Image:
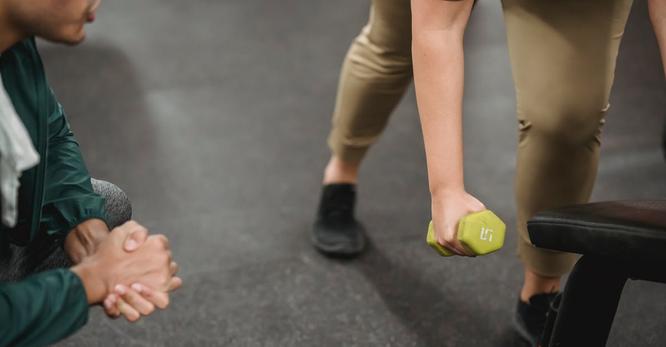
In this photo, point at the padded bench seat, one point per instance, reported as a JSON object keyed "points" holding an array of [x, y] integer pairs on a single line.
{"points": [[619, 229]]}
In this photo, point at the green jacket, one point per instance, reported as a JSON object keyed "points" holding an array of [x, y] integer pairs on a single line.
{"points": [[54, 196]]}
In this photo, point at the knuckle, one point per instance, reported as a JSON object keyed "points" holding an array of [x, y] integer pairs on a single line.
{"points": [[140, 233], [450, 239], [165, 241], [160, 241], [152, 243], [138, 228]]}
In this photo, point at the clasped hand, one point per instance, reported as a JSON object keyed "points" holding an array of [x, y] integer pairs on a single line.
{"points": [[130, 273]]}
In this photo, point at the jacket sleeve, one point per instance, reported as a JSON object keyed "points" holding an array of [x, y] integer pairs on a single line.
{"points": [[42, 309], [69, 197]]}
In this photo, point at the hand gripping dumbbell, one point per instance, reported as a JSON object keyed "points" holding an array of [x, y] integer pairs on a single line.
{"points": [[480, 232]]}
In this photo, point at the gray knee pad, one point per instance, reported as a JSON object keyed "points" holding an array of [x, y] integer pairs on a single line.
{"points": [[117, 205]]}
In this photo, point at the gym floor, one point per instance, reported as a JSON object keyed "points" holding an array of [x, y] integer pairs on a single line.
{"points": [[213, 116]]}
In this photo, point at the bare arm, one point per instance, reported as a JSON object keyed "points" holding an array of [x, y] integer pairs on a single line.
{"points": [[658, 16], [437, 47]]}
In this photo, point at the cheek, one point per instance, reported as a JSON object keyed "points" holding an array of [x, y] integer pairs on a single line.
{"points": [[54, 20], [70, 10], [68, 19]]}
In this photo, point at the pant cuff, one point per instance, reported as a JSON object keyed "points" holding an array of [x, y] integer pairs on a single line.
{"points": [[344, 152]]}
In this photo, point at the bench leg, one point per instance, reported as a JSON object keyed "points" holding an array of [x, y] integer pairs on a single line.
{"points": [[589, 303]]}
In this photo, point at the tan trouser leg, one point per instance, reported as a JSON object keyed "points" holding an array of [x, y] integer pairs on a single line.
{"points": [[374, 77], [563, 56]]}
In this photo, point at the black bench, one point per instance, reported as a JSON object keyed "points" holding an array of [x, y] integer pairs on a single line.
{"points": [[618, 240]]}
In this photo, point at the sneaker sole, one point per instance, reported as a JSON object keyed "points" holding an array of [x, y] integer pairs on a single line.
{"points": [[337, 250]]}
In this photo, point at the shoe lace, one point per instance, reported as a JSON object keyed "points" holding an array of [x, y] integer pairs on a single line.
{"points": [[339, 208]]}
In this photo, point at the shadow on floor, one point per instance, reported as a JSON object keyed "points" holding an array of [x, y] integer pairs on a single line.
{"points": [[425, 309]]}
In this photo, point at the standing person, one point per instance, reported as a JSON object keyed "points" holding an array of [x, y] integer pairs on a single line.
{"points": [[563, 56], [60, 215]]}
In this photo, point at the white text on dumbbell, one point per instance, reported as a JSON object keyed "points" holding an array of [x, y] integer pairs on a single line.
{"points": [[486, 234]]}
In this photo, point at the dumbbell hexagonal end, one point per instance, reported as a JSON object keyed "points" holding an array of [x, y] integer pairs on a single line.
{"points": [[482, 232]]}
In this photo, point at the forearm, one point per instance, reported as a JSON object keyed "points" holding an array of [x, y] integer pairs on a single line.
{"points": [[41, 309], [658, 17], [437, 50]]}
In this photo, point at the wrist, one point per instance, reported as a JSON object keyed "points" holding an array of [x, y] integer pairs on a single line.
{"points": [[445, 192], [95, 288], [82, 241]]}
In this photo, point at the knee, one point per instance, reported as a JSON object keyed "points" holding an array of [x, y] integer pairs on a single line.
{"points": [[117, 204], [572, 123], [389, 59]]}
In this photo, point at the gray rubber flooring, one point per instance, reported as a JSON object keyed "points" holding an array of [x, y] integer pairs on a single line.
{"points": [[213, 115]]}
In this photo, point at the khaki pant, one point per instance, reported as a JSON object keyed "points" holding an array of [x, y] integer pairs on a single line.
{"points": [[374, 77], [563, 56]]}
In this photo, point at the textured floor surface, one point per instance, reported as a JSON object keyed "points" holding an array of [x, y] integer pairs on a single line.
{"points": [[213, 115]]}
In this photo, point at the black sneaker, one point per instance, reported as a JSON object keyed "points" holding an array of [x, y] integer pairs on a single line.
{"points": [[336, 232], [530, 318]]}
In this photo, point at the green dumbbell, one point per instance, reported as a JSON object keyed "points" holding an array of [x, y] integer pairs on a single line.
{"points": [[480, 232]]}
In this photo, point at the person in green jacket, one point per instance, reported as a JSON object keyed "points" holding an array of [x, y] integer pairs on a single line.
{"points": [[62, 219]]}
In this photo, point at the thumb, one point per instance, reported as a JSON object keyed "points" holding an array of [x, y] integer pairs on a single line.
{"points": [[135, 238]]}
